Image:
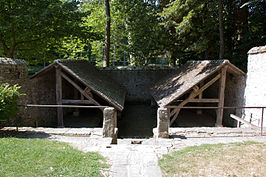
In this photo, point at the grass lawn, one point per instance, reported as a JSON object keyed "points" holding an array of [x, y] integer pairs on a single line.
{"points": [[40, 157], [234, 159]]}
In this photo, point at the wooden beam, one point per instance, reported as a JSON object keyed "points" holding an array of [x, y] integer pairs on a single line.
{"points": [[88, 91], [243, 121], [219, 119], [204, 100], [58, 87], [193, 95], [201, 85], [63, 106], [69, 101], [76, 97], [80, 90]]}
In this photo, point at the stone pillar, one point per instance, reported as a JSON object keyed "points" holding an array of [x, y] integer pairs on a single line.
{"points": [[255, 91], [162, 123], [109, 122]]}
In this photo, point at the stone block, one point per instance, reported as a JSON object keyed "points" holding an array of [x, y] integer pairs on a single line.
{"points": [[162, 123], [109, 122]]}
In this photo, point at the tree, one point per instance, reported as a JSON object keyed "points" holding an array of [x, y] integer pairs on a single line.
{"points": [[106, 62], [192, 30], [221, 30], [27, 25], [142, 30]]}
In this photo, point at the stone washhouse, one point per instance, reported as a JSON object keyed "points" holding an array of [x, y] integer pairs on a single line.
{"points": [[138, 102]]}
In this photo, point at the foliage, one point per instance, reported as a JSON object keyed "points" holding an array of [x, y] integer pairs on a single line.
{"points": [[142, 32], [192, 29], [27, 27], [8, 101], [40, 157]]}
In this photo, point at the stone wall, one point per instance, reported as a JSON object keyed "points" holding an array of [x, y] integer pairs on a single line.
{"points": [[138, 81], [234, 96], [37, 91], [255, 91], [15, 72]]}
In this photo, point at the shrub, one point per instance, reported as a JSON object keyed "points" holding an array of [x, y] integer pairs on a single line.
{"points": [[8, 101]]}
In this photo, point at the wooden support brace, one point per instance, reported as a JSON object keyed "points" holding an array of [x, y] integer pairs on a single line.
{"points": [[76, 97], [80, 90], [192, 96], [244, 121]]}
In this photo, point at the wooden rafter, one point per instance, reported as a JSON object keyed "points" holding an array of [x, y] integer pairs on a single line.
{"points": [[193, 94], [83, 92]]}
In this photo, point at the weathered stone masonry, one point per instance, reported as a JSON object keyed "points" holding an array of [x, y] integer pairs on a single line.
{"points": [[255, 90], [38, 91]]}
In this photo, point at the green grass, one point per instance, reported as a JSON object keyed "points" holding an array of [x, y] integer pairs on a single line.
{"points": [[40, 157], [234, 159]]}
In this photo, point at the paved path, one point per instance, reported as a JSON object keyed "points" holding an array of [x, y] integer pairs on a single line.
{"points": [[141, 160], [138, 160]]}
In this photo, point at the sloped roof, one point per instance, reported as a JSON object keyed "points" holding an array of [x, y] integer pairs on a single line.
{"points": [[186, 77], [98, 82]]}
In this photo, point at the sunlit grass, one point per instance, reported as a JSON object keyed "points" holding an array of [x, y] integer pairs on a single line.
{"points": [[235, 159], [39, 157]]}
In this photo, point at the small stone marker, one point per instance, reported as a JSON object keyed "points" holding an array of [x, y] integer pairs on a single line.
{"points": [[162, 123], [109, 122]]}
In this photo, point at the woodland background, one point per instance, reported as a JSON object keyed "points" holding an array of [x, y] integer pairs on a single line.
{"points": [[131, 32]]}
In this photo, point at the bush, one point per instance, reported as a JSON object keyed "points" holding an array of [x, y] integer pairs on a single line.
{"points": [[8, 101]]}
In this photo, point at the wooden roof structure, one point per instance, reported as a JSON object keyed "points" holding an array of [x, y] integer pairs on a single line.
{"points": [[192, 78], [190, 74], [93, 80]]}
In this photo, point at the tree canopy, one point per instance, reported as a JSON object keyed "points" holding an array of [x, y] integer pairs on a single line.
{"points": [[140, 32]]}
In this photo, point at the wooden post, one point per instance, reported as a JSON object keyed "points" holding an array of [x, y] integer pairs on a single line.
{"points": [[220, 111], [76, 96], [58, 87], [199, 111]]}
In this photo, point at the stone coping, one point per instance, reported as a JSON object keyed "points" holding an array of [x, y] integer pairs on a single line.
{"points": [[9, 61], [256, 50], [59, 131]]}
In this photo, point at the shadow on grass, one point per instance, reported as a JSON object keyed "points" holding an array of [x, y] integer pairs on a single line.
{"points": [[22, 134]]}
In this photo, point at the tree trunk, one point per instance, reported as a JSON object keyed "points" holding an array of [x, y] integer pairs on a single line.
{"points": [[164, 3], [221, 30], [242, 20], [106, 61]]}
